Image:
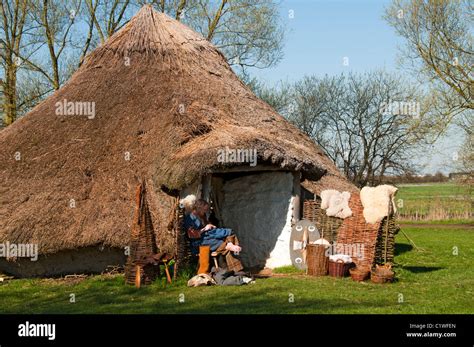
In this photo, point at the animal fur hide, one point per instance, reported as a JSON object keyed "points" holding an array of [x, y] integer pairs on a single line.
{"points": [[201, 280], [325, 196], [376, 202], [336, 203]]}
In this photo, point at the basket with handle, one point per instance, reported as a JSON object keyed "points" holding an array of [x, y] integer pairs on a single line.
{"points": [[338, 268]]}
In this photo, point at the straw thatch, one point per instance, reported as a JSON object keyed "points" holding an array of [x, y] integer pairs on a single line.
{"points": [[164, 95]]}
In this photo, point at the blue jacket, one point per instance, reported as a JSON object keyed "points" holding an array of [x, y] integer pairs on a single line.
{"points": [[212, 238]]}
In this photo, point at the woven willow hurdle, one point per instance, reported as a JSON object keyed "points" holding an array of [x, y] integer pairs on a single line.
{"points": [[385, 246], [355, 231], [327, 226]]}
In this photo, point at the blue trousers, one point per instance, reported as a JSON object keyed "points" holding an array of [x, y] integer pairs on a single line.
{"points": [[215, 237]]}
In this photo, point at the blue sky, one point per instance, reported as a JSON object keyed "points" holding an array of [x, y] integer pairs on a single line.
{"points": [[323, 32]]}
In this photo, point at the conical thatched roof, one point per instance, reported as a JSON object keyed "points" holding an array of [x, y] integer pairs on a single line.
{"points": [[164, 95]]}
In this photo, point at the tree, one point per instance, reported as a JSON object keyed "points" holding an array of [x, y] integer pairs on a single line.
{"points": [[13, 19], [278, 96], [370, 125], [107, 16], [55, 20], [439, 48], [249, 33]]}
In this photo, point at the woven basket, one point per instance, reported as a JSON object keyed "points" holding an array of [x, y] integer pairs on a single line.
{"points": [[377, 278], [339, 268], [142, 243], [359, 275], [316, 260], [382, 274]]}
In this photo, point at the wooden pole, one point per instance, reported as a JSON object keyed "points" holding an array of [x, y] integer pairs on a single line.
{"points": [[386, 231], [138, 276]]}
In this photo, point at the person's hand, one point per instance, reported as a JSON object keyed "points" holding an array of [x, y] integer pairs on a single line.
{"points": [[209, 227]]}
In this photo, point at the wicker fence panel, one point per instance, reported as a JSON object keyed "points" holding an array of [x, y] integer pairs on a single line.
{"points": [[355, 231], [327, 226], [385, 246]]}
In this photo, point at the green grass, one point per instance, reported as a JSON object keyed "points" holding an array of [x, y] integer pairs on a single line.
{"points": [[465, 222], [287, 270], [435, 201], [430, 281], [431, 189]]}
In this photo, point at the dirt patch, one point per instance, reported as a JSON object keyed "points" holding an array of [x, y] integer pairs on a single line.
{"points": [[267, 273], [68, 280]]}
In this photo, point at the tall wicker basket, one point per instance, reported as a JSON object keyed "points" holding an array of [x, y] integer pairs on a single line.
{"points": [[138, 270], [317, 260]]}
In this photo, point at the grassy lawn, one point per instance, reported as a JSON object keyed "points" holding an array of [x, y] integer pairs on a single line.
{"points": [[444, 201], [414, 191], [429, 281]]}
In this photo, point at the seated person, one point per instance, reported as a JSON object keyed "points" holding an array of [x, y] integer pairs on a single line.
{"points": [[202, 233]]}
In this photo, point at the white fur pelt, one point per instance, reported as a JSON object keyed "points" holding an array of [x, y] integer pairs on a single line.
{"points": [[376, 202], [188, 202], [325, 196], [336, 203]]}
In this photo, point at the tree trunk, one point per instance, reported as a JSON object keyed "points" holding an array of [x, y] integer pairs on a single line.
{"points": [[9, 90]]}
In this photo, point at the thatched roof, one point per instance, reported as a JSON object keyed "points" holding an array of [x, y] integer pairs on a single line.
{"points": [[163, 94]]}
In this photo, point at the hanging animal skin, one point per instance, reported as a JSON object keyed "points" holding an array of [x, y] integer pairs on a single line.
{"points": [[302, 233]]}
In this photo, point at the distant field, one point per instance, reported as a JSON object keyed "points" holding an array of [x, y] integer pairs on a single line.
{"points": [[435, 201]]}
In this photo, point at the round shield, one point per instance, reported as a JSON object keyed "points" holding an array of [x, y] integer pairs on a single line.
{"points": [[302, 233]]}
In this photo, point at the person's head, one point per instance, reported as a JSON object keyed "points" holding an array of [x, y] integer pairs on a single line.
{"points": [[188, 203], [201, 207]]}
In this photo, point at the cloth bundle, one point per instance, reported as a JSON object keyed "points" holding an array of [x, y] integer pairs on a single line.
{"points": [[220, 277], [344, 257], [336, 203], [376, 202], [321, 241], [229, 278]]}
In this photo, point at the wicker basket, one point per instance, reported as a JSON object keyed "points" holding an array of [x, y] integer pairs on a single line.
{"points": [[382, 274], [377, 278], [339, 268], [359, 275], [142, 243], [317, 260]]}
